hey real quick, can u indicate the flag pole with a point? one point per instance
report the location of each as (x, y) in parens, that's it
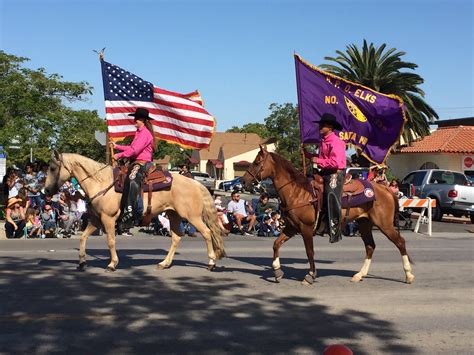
(303, 158)
(109, 150)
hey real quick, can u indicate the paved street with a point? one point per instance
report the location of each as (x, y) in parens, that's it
(47, 306)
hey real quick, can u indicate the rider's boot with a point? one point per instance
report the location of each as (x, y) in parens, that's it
(322, 228)
(335, 233)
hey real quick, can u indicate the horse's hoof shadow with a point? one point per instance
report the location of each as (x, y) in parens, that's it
(82, 266)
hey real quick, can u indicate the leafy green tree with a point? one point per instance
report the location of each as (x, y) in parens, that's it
(34, 114)
(258, 128)
(77, 134)
(177, 154)
(283, 124)
(383, 71)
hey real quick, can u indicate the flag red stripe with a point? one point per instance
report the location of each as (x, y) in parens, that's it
(120, 122)
(180, 106)
(172, 93)
(182, 141)
(121, 134)
(155, 111)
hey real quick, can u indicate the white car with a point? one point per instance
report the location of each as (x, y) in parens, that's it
(205, 179)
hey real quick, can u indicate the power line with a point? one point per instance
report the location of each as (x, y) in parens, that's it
(453, 108)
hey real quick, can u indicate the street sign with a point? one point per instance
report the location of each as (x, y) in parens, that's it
(101, 137)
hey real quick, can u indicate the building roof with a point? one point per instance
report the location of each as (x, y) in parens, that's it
(232, 144)
(165, 160)
(466, 121)
(458, 139)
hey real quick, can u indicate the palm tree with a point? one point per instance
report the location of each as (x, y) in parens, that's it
(381, 71)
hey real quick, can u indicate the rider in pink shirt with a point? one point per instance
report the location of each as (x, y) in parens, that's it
(332, 164)
(332, 153)
(139, 152)
(141, 148)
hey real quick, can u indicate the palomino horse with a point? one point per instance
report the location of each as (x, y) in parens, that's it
(185, 199)
(300, 215)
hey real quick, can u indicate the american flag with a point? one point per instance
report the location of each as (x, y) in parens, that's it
(176, 118)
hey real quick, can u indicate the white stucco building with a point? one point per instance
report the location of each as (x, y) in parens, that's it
(229, 154)
(448, 147)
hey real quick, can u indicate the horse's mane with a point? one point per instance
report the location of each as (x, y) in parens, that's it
(295, 174)
(96, 173)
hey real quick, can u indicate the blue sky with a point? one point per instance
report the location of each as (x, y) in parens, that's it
(239, 53)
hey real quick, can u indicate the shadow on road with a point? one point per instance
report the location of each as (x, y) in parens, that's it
(47, 308)
(291, 273)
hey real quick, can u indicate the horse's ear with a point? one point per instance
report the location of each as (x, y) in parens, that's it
(263, 148)
(55, 155)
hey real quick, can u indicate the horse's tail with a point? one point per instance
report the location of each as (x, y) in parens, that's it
(209, 215)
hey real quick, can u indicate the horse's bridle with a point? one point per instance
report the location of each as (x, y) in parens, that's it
(61, 164)
(258, 170)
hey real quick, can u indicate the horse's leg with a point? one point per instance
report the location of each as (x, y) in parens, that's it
(393, 234)
(109, 227)
(82, 248)
(365, 229)
(206, 233)
(282, 238)
(175, 220)
(307, 232)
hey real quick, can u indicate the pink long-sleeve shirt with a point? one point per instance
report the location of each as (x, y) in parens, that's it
(141, 147)
(332, 153)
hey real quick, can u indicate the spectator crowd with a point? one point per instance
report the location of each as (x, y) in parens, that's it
(29, 213)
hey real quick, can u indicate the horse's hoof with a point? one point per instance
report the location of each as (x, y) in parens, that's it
(356, 278)
(410, 279)
(308, 280)
(110, 269)
(278, 274)
(211, 267)
(162, 267)
(82, 266)
(305, 283)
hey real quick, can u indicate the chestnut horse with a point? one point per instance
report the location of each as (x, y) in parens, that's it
(185, 199)
(300, 215)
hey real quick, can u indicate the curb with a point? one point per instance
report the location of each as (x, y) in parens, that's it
(3, 234)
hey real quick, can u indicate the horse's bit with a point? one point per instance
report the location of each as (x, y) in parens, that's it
(258, 170)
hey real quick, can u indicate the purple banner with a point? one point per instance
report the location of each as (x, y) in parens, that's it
(371, 121)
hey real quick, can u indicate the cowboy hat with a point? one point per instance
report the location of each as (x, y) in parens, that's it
(140, 114)
(13, 201)
(329, 119)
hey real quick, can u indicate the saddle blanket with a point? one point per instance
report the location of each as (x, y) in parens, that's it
(365, 196)
(165, 184)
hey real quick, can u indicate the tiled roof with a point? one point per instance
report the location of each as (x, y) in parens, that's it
(458, 139)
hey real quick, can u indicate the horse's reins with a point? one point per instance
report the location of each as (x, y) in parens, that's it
(255, 177)
(258, 170)
(101, 192)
